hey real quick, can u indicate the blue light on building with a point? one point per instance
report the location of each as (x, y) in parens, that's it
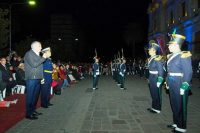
(188, 31)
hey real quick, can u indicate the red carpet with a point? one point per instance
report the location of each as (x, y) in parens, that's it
(11, 115)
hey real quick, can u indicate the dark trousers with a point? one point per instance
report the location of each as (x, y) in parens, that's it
(45, 92)
(118, 78)
(178, 102)
(155, 92)
(32, 94)
(114, 77)
(95, 81)
(122, 80)
(9, 86)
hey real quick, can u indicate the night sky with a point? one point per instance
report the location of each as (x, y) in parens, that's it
(102, 21)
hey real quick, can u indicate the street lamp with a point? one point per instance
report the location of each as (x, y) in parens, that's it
(31, 3)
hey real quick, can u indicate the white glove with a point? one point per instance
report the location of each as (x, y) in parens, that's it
(167, 87)
(121, 74)
(42, 81)
(182, 92)
(158, 84)
(95, 76)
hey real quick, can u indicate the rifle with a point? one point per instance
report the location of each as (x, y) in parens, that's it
(118, 55)
(95, 52)
(122, 53)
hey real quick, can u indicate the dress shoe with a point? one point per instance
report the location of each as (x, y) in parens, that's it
(175, 131)
(149, 109)
(31, 117)
(171, 126)
(44, 106)
(37, 113)
(50, 104)
(153, 112)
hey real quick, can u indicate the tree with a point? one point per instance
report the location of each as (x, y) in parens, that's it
(134, 35)
(24, 45)
(4, 28)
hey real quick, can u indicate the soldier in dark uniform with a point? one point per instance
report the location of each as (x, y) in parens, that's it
(114, 69)
(156, 73)
(96, 73)
(122, 72)
(179, 76)
(46, 86)
(118, 71)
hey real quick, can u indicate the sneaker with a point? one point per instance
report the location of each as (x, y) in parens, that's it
(14, 101)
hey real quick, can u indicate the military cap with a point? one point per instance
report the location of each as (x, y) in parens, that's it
(153, 44)
(176, 39)
(46, 49)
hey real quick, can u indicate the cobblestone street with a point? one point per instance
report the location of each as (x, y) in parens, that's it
(108, 110)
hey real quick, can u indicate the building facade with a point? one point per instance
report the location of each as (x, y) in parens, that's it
(182, 16)
(63, 36)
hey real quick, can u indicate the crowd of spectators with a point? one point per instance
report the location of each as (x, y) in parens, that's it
(12, 75)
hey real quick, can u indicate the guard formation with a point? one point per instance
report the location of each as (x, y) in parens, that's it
(178, 71)
(118, 67)
(174, 71)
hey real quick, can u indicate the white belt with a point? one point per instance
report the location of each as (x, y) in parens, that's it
(176, 74)
(153, 72)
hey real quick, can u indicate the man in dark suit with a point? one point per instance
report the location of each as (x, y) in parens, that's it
(33, 63)
(2, 87)
(7, 76)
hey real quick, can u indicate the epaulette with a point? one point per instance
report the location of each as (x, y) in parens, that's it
(185, 54)
(168, 56)
(158, 58)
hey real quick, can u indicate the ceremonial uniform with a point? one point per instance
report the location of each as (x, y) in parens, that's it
(46, 87)
(114, 70)
(156, 73)
(122, 72)
(118, 71)
(179, 75)
(95, 74)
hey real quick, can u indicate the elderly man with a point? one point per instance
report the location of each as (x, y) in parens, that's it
(33, 63)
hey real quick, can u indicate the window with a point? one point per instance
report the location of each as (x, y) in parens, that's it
(183, 9)
(171, 17)
(198, 3)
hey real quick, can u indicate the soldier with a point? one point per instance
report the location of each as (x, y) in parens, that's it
(118, 71)
(122, 72)
(179, 76)
(95, 73)
(46, 86)
(156, 73)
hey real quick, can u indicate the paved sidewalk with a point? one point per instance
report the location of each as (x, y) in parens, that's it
(108, 110)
